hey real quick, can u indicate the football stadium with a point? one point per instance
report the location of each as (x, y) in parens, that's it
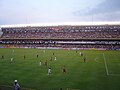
(60, 56)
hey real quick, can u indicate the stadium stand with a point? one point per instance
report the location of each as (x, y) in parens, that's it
(63, 36)
(63, 32)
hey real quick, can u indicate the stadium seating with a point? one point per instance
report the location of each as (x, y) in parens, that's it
(62, 32)
(92, 36)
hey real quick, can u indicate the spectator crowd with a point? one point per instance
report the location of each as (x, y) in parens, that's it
(31, 36)
(62, 32)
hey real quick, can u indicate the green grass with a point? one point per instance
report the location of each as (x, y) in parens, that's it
(80, 76)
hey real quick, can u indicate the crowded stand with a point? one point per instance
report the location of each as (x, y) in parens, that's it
(63, 32)
(106, 37)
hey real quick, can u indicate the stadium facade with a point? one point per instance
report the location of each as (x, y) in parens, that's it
(95, 35)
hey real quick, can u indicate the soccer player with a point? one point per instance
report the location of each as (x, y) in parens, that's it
(2, 56)
(37, 56)
(81, 54)
(24, 57)
(84, 59)
(46, 63)
(11, 59)
(40, 63)
(16, 85)
(53, 53)
(49, 71)
(51, 59)
(76, 50)
(64, 70)
(55, 59)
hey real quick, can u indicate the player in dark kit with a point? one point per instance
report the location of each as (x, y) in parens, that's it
(37, 56)
(24, 57)
(53, 53)
(64, 70)
(76, 51)
(2, 56)
(46, 63)
(84, 59)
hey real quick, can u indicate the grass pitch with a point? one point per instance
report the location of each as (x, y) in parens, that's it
(101, 71)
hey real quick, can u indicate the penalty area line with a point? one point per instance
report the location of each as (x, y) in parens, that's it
(106, 67)
(114, 74)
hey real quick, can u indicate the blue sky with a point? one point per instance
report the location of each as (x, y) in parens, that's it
(51, 11)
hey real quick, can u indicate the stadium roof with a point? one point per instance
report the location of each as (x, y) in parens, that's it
(62, 24)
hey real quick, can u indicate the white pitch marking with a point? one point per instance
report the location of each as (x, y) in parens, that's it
(96, 60)
(105, 64)
(114, 74)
